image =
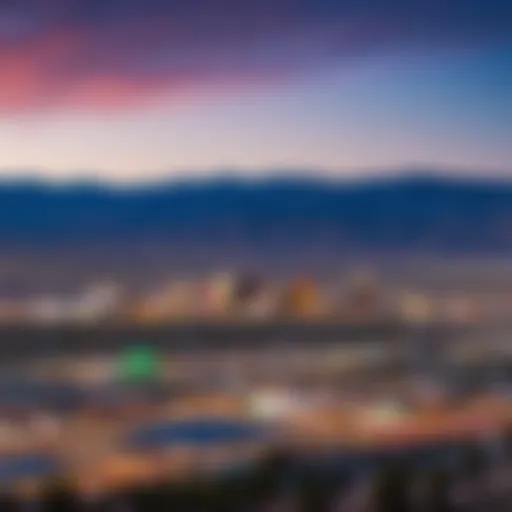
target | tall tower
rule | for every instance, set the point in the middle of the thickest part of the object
(363, 296)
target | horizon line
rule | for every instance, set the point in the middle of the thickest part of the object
(42, 177)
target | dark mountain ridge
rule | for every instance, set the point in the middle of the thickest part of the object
(422, 214)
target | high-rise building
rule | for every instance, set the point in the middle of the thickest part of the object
(262, 305)
(96, 303)
(175, 300)
(218, 296)
(48, 310)
(362, 299)
(303, 298)
(416, 308)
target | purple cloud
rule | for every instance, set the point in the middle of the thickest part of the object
(120, 53)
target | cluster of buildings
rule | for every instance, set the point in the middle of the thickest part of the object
(359, 298)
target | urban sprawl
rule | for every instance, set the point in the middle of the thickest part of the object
(360, 298)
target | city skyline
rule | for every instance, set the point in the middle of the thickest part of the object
(150, 90)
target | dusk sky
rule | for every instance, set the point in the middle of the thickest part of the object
(146, 89)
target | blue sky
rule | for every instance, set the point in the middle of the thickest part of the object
(151, 89)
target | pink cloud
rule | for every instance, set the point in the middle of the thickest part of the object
(117, 54)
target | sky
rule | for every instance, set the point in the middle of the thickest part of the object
(129, 90)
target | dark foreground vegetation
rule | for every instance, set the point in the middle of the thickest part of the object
(479, 479)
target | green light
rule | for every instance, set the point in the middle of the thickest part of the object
(139, 364)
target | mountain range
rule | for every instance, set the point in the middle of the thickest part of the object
(411, 214)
